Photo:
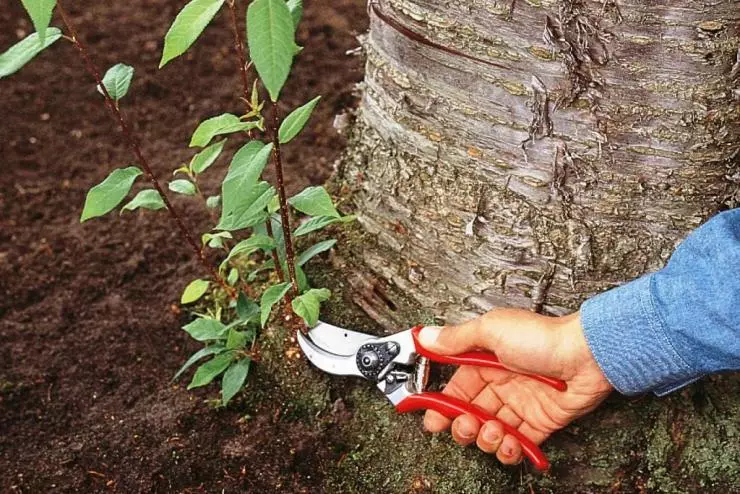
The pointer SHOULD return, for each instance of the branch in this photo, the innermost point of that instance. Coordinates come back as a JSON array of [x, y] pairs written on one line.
[[136, 149]]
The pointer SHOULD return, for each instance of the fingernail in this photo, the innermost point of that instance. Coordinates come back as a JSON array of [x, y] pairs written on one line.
[[489, 435], [465, 433], [429, 334]]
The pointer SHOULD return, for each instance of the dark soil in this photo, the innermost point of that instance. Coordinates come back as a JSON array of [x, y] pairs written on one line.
[[89, 321]]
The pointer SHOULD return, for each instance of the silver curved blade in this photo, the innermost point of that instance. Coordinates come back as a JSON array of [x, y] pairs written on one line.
[[338, 340], [341, 365]]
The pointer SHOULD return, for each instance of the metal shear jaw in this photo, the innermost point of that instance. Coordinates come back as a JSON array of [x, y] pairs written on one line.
[[391, 362]]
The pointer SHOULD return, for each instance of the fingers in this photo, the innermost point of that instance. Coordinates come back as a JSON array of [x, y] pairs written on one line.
[[465, 384], [465, 429], [510, 452]]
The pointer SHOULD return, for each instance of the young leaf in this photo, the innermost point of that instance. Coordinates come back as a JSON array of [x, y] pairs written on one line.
[[250, 211], [315, 250], [145, 199], [233, 379], [300, 277], [189, 23], [183, 186], [246, 309], [270, 297], [314, 224], [233, 276], [203, 329], [294, 123], [274, 205], [40, 13], [240, 189], [250, 245], [203, 352], [270, 33], [213, 202], [23, 52], [307, 305], [203, 160], [296, 11], [314, 201], [194, 290], [211, 369], [105, 196], [236, 339], [222, 124], [117, 81], [215, 240]]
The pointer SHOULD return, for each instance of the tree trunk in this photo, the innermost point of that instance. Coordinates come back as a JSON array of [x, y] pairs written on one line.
[[534, 153]]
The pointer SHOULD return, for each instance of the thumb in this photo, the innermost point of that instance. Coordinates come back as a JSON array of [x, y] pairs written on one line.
[[452, 340], [522, 340]]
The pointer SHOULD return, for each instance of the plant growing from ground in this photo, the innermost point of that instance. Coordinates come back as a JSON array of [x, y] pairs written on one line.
[[252, 217]]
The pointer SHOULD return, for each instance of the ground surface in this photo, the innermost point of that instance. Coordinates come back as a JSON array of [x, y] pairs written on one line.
[[89, 340], [89, 322]]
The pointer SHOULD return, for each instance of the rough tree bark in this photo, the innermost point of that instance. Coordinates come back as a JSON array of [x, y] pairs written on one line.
[[534, 153]]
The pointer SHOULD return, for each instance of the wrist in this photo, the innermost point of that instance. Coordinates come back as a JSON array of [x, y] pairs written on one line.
[[578, 360]]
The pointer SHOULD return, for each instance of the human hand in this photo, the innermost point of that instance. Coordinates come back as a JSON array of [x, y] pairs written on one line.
[[524, 342]]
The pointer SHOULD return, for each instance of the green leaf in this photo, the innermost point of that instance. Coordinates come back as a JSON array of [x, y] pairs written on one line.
[[314, 201], [270, 35], [296, 11], [243, 197], [225, 123], [109, 193], [203, 329], [145, 199], [183, 186], [314, 224], [318, 223], [233, 379], [207, 157], [307, 305], [246, 309], [117, 81], [203, 352], [213, 202], [194, 290], [300, 277], [23, 52], [294, 123], [40, 12], [250, 245], [269, 298], [236, 339], [233, 277], [211, 369], [215, 240], [274, 205], [189, 23], [315, 250]]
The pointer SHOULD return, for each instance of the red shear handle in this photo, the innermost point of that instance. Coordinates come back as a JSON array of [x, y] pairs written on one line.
[[452, 407], [480, 359]]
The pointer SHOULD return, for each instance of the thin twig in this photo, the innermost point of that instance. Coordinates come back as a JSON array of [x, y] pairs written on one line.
[[133, 144], [284, 217], [242, 59]]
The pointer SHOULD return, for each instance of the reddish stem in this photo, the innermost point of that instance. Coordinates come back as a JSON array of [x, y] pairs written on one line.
[[239, 47], [284, 211], [136, 149]]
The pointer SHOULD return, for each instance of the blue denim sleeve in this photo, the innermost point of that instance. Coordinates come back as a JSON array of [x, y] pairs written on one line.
[[669, 328]]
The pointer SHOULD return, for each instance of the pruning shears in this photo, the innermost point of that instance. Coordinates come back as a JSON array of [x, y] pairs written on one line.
[[399, 365]]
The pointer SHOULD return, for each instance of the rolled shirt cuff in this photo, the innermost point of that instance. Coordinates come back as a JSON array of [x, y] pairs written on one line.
[[629, 341]]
